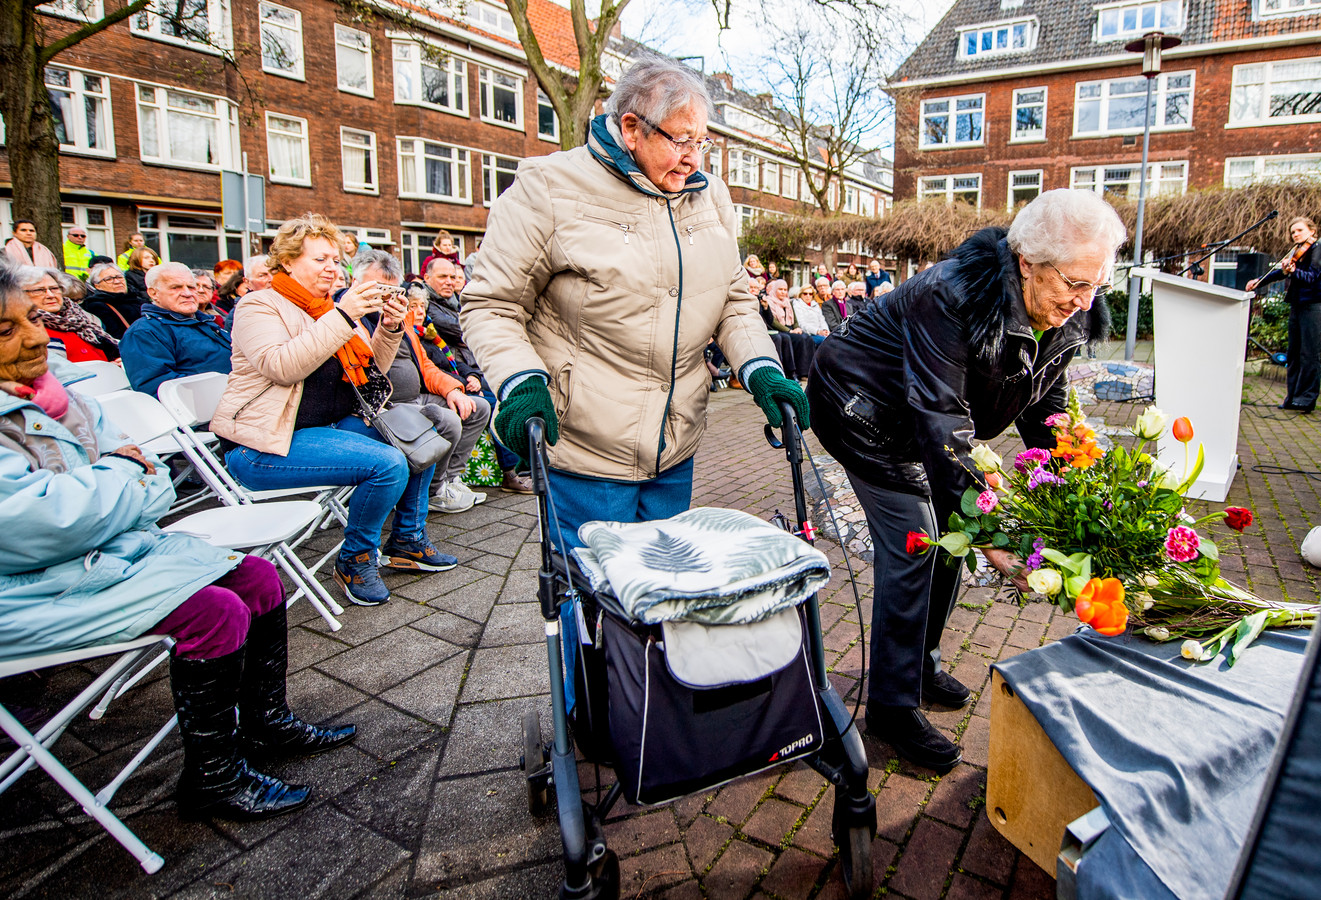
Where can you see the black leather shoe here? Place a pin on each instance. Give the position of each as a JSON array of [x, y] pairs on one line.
[[913, 737], [945, 689], [1303, 408], [291, 736], [255, 796], [1286, 404]]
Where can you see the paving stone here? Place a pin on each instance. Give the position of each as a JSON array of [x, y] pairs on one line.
[[456, 630], [308, 646], [542, 880], [317, 697], [814, 835], [801, 784], [772, 821], [965, 888], [954, 796], [520, 586], [472, 601], [364, 623], [515, 623], [406, 649], [503, 672], [1030, 882], [634, 834], [704, 839], [794, 874], [441, 583], [384, 732], [976, 741], [488, 736], [430, 694], [737, 870], [897, 804], [988, 854], [927, 860], [649, 873], [735, 801]]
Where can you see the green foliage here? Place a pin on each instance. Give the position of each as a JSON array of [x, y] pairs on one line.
[[1118, 300], [1270, 323]]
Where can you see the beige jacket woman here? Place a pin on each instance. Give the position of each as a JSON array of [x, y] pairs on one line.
[[611, 288], [276, 346]]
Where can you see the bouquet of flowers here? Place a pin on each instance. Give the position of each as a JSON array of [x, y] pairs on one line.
[[1105, 534]]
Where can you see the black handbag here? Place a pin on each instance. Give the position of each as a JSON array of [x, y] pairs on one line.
[[406, 429]]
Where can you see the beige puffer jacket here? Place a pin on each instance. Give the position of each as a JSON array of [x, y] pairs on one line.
[[612, 289], [276, 346]]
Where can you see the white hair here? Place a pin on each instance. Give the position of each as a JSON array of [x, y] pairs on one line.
[[100, 270], [382, 262], [1061, 225], [655, 89], [30, 275], [856, 285], [837, 283], [155, 272], [253, 262]]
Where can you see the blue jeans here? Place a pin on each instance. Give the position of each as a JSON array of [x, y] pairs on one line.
[[347, 452]]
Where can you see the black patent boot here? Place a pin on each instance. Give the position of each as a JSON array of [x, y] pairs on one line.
[[216, 779], [267, 727]]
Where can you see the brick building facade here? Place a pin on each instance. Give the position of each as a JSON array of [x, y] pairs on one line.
[[1006, 98]]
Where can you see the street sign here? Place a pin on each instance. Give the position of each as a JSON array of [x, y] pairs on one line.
[[242, 209]]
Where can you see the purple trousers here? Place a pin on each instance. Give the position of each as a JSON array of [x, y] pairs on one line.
[[214, 621]]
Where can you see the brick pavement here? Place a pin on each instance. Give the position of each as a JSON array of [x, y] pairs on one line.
[[430, 800]]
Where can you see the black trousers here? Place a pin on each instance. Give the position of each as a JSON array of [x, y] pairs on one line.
[[1304, 355], [796, 352], [912, 598]]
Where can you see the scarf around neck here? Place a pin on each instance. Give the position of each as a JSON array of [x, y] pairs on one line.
[[71, 317], [355, 355]]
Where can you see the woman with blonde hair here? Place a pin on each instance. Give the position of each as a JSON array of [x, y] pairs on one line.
[[140, 259], [300, 362], [134, 242]]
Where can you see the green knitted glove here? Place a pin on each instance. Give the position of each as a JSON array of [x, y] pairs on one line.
[[530, 398], [769, 386]]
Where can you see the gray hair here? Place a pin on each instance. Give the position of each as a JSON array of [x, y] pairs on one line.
[[1059, 225], [30, 275], [856, 285], [819, 279], [204, 273], [837, 283], [155, 272], [250, 265], [655, 89], [384, 262], [100, 270], [437, 260]]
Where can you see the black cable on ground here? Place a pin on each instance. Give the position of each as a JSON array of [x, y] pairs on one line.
[[1286, 470]]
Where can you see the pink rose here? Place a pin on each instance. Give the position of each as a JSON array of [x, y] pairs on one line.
[[1181, 544], [1059, 420], [987, 501]]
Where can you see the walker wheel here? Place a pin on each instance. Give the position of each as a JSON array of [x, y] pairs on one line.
[[855, 862], [534, 759]]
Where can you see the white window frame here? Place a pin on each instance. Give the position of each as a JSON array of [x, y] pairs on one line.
[[1115, 12], [715, 158], [105, 232], [79, 94], [744, 169], [454, 68], [491, 167], [158, 111], [1260, 164], [492, 18], [347, 40], [929, 112], [770, 177], [789, 178], [77, 10], [543, 103], [1241, 88], [158, 236], [1274, 9], [1009, 194], [926, 190], [291, 31], [486, 88], [411, 152], [1160, 97], [991, 33], [1014, 137], [850, 199], [148, 24], [305, 139], [353, 187], [1092, 178]]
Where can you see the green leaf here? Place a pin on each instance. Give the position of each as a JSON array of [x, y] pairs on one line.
[[971, 562], [1249, 627], [957, 522], [1074, 585], [968, 502], [1057, 558], [1207, 548], [1000, 539], [956, 543], [1196, 470]]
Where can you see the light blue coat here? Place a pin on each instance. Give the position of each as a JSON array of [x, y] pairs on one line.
[[81, 560]]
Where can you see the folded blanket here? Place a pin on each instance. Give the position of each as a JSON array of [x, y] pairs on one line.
[[708, 565]]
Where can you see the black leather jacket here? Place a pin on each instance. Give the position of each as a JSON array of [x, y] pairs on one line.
[[947, 356]]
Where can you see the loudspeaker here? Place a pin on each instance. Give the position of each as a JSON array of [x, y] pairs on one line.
[[1250, 266]]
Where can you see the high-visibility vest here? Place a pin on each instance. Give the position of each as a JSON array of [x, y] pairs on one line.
[[76, 259]]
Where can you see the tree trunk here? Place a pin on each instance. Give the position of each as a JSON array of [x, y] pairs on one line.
[[33, 148]]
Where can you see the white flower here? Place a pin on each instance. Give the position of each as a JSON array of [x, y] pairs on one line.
[[1145, 599], [1191, 649], [1157, 633], [1150, 424], [1163, 477], [1045, 581], [986, 459]]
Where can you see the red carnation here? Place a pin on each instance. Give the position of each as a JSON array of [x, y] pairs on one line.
[[918, 541], [1238, 518]]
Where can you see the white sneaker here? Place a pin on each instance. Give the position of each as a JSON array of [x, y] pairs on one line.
[[477, 496], [449, 500]]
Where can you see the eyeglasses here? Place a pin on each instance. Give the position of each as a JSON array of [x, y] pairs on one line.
[[105, 278], [76, 234], [38, 291], [1096, 289], [684, 147]]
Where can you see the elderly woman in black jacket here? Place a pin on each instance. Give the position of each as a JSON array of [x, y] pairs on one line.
[[964, 349]]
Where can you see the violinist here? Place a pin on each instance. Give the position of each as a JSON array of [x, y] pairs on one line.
[[1302, 266]]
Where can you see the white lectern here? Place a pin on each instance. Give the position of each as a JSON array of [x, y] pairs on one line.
[[1201, 334]]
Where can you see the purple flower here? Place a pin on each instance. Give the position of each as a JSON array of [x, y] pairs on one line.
[[1032, 458], [1142, 484], [1033, 562], [1108, 505], [1039, 476]]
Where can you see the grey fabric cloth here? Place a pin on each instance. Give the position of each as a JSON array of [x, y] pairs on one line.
[[1177, 753], [462, 434]]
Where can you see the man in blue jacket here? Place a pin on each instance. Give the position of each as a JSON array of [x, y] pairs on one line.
[[172, 339]]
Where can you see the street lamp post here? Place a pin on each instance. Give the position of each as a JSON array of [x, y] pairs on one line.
[[1150, 46]]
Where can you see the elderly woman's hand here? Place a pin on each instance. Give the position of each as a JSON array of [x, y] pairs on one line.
[[396, 307], [134, 452], [362, 298]]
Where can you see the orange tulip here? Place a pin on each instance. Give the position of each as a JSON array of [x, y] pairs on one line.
[[1101, 605], [993, 481], [1182, 430]]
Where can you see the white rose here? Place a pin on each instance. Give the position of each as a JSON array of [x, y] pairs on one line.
[[986, 459], [1191, 649], [1145, 599], [1150, 424], [1157, 633], [1045, 581]]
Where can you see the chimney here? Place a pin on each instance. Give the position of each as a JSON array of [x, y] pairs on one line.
[[724, 78]]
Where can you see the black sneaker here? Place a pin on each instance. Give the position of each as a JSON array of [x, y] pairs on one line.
[[415, 556], [913, 737], [361, 581], [945, 689]]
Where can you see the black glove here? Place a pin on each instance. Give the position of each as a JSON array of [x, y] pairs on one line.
[[528, 399], [769, 387]]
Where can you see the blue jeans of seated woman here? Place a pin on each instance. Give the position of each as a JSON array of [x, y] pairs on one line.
[[347, 452]]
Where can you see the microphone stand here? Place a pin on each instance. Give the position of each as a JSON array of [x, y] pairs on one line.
[[1216, 248]]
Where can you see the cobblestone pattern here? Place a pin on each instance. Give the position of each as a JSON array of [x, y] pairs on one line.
[[430, 800]]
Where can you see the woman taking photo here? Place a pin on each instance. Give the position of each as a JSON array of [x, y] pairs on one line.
[[74, 334], [82, 563], [292, 408]]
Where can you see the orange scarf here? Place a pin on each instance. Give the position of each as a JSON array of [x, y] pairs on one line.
[[356, 355]]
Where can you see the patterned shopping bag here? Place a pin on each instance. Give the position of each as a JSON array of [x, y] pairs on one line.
[[483, 470]]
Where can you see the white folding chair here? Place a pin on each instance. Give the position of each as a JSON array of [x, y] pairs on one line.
[[106, 378], [192, 401], [263, 529], [34, 749]]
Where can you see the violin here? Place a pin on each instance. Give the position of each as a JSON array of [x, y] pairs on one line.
[[1289, 261]]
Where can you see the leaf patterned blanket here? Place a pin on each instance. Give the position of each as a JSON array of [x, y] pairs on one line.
[[708, 565]]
